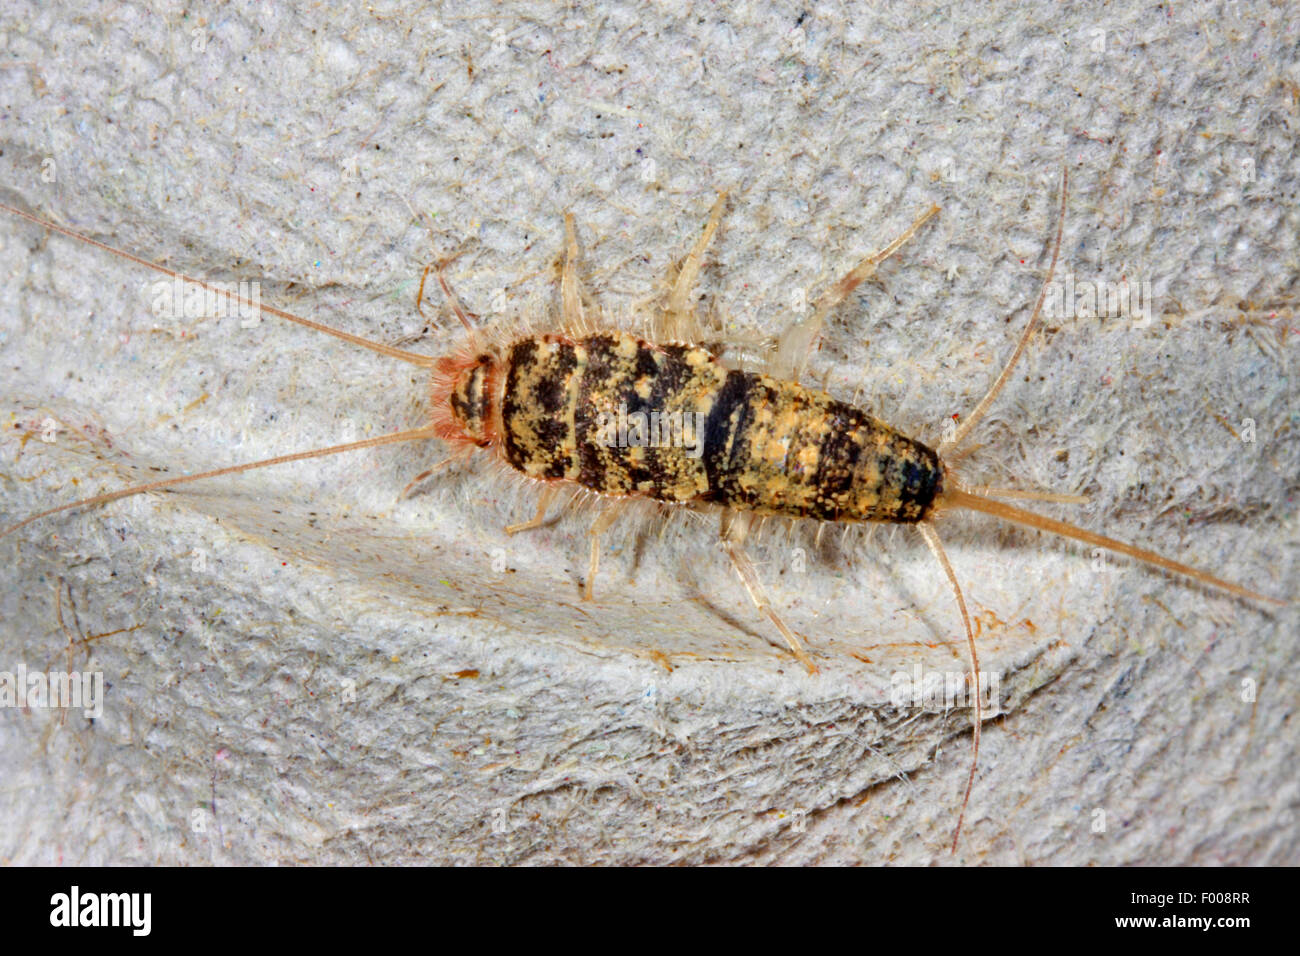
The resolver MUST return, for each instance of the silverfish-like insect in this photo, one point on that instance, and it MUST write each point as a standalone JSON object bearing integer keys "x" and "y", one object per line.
{"x": 748, "y": 445}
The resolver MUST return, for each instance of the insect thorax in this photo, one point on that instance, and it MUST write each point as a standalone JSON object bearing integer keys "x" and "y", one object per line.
{"x": 623, "y": 416}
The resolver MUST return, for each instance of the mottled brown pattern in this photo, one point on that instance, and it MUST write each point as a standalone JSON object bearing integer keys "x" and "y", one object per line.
{"x": 778, "y": 448}
{"x": 766, "y": 446}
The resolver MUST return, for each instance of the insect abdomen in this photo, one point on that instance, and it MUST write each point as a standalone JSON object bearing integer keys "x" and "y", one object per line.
{"x": 775, "y": 447}
{"x": 623, "y": 416}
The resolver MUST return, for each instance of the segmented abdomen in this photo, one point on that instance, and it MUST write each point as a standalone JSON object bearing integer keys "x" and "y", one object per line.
{"x": 623, "y": 416}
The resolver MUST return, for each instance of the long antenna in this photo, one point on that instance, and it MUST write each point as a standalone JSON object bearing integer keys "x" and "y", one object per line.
{"x": 409, "y": 435}
{"x": 414, "y": 358}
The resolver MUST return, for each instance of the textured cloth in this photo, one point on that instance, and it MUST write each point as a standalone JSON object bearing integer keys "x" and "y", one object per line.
{"x": 301, "y": 664}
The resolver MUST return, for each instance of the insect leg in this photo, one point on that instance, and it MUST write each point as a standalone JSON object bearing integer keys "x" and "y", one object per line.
{"x": 419, "y": 293}
{"x": 539, "y": 519}
{"x": 796, "y": 343}
{"x": 932, "y": 539}
{"x": 735, "y": 528}
{"x": 570, "y": 293}
{"x": 679, "y": 323}
{"x": 452, "y": 301}
{"x": 428, "y": 473}
{"x": 603, "y": 521}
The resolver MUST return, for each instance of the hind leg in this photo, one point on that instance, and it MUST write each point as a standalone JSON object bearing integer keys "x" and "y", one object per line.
{"x": 795, "y": 345}
{"x": 679, "y": 323}
{"x": 735, "y": 528}
{"x": 602, "y": 522}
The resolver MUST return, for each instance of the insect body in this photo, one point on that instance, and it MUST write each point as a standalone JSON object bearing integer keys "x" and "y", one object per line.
{"x": 588, "y": 408}
{"x": 702, "y": 433}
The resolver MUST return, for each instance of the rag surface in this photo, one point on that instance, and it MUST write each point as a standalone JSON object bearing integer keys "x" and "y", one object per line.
{"x": 305, "y": 664}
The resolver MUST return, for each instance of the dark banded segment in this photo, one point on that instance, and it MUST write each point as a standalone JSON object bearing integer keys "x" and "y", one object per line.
{"x": 538, "y": 406}
{"x": 633, "y": 438}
